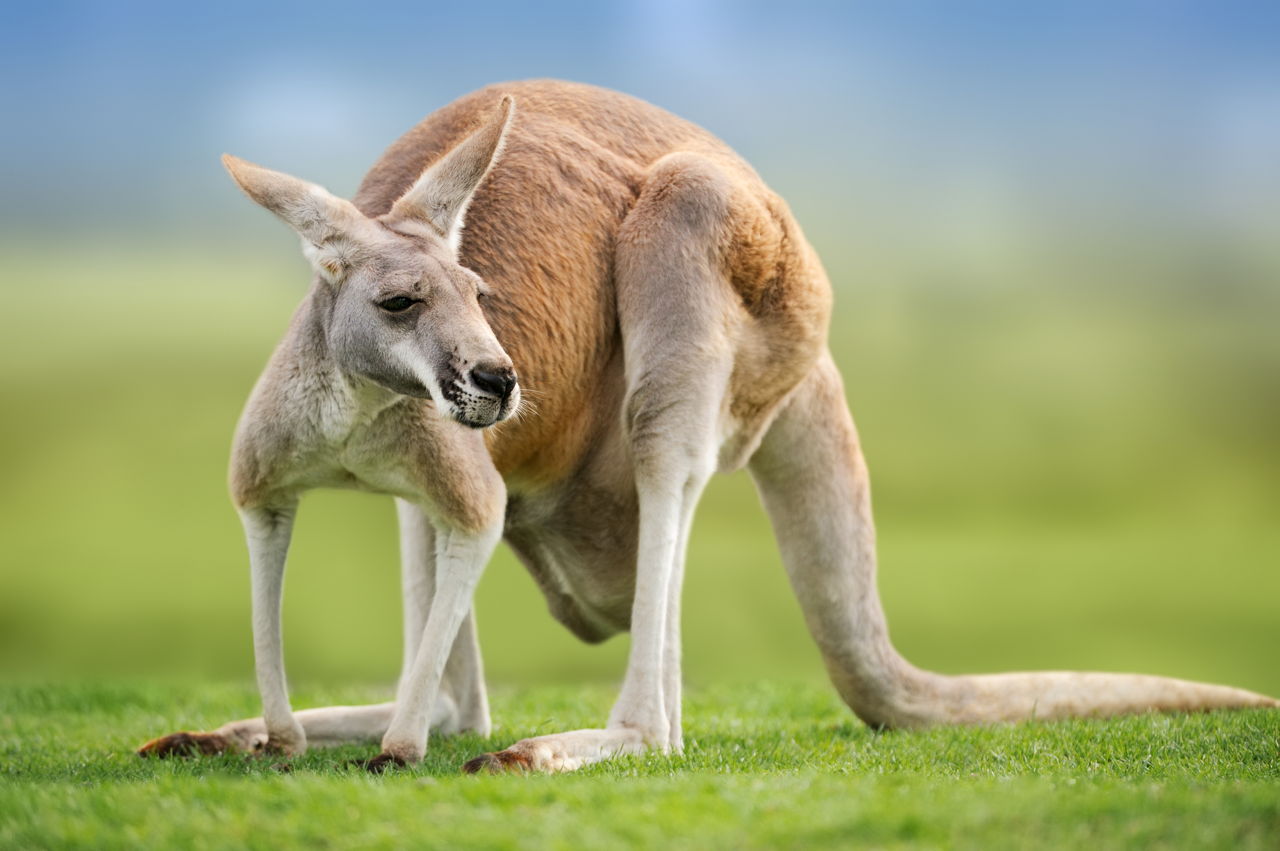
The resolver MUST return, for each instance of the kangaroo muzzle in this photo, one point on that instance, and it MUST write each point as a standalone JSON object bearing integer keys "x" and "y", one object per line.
{"x": 496, "y": 381}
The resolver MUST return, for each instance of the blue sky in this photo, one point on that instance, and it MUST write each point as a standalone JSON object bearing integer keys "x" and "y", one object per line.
{"x": 115, "y": 112}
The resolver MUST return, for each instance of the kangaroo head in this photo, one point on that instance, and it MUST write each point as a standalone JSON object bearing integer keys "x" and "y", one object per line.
{"x": 404, "y": 314}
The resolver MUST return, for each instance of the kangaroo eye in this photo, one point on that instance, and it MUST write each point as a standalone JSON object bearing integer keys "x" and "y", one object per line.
{"x": 398, "y": 304}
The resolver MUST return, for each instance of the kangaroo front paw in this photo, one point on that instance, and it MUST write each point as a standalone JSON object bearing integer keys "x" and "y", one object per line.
{"x": 186, "y": 744}
{"x": 379, "y": 763}
{"x": 286, "y": 743}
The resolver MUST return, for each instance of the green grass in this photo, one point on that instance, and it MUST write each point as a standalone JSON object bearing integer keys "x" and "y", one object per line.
{"x": 765, "y": 766}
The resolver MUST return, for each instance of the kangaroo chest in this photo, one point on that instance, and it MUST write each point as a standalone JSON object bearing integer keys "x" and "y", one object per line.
{"x": 366, "y": 463}
{"x": 351, "y": 444}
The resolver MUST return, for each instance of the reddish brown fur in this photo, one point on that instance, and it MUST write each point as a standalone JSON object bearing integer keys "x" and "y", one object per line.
{"x": 501, "y": 762}
{"x": 542, "y": 231}
{"x": 185, "y": 744}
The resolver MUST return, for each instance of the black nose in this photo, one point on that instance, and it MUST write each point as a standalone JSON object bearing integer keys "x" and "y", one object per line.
{"x": 500, "y": 382}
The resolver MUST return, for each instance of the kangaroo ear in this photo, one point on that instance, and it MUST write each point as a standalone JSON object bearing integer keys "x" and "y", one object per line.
{"x": 326, "y": 223}
{"x": 441, "y": 195}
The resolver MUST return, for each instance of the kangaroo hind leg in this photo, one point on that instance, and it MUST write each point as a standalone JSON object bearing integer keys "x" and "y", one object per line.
{"x": 675, "y": 309}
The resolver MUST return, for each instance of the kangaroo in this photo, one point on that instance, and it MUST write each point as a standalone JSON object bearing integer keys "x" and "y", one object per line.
{"x": 550, "y": 314}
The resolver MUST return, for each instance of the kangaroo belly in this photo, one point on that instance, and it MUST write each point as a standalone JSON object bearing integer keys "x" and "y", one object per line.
{"x": 579, "y": 544}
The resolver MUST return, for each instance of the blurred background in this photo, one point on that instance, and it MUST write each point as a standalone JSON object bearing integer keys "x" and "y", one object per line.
{"x": 1053, "y": 229}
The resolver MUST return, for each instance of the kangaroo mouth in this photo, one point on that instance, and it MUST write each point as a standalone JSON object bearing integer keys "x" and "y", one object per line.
{"x": 482, "y": 411}
{"x": 475, "y": 424}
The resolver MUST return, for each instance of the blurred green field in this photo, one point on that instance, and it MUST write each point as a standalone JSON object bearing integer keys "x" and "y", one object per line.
{"x": 1072, "y": 469}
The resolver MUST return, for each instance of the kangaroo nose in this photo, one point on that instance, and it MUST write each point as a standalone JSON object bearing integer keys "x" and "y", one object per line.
{"x": 500, "y": 382}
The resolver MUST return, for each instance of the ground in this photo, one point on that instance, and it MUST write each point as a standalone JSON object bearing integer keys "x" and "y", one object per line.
{"x": 765, "y": 766}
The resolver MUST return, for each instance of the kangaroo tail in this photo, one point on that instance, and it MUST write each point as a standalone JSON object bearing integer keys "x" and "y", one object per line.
{"x": 813, "y": 481}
